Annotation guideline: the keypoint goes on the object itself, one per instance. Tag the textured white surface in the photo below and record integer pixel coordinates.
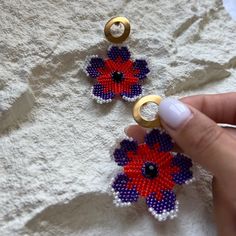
(55, 141)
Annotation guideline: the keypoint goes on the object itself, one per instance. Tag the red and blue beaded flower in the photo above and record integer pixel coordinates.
(150, 170)
(117, 75)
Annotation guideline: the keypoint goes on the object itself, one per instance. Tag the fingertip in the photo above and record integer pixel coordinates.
(136, 132)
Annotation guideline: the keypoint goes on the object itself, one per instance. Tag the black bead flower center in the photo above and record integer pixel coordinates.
(150, 170)
(117, 76)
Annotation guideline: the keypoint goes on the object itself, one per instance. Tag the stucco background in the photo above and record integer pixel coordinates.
(55, 142)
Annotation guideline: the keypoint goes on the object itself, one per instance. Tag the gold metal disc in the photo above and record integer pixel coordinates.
(137, 111)
(116, 20)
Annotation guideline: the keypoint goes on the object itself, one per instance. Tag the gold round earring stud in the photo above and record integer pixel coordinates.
(116, 20)
(137, 111)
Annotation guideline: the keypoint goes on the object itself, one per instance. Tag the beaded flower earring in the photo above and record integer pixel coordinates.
(151, 169)
(118, 75)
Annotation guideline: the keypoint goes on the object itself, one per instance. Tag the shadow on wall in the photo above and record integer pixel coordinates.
(94, 214)
(17, 112)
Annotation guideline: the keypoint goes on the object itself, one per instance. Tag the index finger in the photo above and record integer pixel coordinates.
(219, 107)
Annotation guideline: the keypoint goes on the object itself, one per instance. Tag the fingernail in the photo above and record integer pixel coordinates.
(173, 112)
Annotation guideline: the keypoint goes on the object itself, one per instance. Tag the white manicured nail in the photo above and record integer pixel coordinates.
(173, 112)
(230, 6)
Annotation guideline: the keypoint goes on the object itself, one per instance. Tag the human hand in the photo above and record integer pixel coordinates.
(192, 123)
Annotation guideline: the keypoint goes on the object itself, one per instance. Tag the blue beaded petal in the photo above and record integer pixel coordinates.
(114, 52)
(94, 64)
(120, 154)
(184, 163)
(98, 93)
(164, 140)
(141, 65)
(136, 91)
(124, 195)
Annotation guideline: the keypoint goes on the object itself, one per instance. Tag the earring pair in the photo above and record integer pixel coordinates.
(151, 169)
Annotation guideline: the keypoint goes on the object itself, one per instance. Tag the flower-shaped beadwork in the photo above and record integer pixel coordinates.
(117, 75)
(150, 170)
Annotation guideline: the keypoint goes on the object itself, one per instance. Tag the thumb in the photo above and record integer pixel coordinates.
(198, 136)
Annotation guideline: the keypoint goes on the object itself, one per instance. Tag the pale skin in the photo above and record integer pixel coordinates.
(213, 147)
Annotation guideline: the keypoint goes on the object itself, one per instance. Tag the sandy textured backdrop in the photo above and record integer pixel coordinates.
(55, 141)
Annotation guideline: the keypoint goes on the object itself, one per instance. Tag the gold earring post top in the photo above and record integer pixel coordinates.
(116, 20)
(137, 111)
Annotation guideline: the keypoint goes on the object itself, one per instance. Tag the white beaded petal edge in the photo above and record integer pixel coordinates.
(131, 99)
(189, 181)
(166, 214)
